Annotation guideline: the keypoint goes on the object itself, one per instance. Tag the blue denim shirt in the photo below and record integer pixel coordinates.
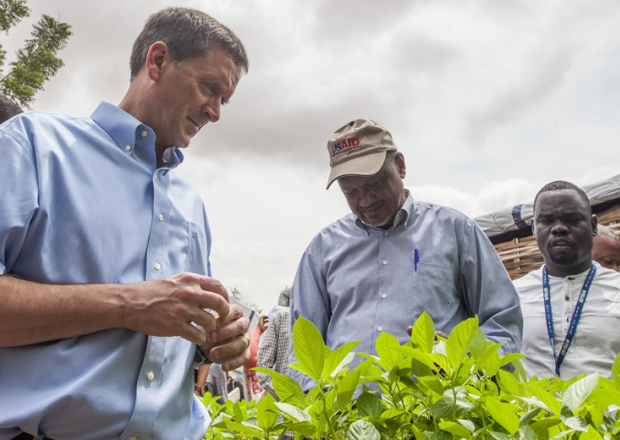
(83, 202)
(355, 281)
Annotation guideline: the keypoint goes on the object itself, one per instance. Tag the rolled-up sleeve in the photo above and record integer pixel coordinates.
(19, 198)
(488, 291)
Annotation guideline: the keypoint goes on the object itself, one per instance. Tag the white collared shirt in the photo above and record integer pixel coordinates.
(597, 339)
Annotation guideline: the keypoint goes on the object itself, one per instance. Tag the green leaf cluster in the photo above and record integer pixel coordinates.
(37, 62)
(457, 388)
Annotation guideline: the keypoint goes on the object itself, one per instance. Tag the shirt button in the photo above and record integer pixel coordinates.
(566, 297)
(144, 133)
(157, 266)
(128, 147)
(385, 262)
(155, 178)
(386, 233)
(380, 329)
(161, 218)
(384, 296)
(150, 376)
(134, 438)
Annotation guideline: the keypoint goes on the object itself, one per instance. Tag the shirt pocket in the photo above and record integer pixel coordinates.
(436, 291)
(197, 257)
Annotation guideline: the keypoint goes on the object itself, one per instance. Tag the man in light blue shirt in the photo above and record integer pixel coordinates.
(378, 268)
(104, 251)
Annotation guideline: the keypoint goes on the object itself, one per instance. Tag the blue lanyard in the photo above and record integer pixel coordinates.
(574, 321)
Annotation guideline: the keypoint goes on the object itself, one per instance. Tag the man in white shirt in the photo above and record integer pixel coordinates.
(570, 300)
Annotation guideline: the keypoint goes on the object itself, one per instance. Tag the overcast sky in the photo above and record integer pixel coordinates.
(488, 100)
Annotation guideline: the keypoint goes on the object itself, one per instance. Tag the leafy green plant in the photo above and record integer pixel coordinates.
(36, 63)
(458, 388)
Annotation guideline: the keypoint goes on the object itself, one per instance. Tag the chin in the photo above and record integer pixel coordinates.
(563, 260)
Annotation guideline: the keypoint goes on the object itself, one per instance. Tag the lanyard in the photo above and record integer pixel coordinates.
(575, 319)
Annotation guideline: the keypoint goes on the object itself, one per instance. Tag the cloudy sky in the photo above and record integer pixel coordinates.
(488, 100)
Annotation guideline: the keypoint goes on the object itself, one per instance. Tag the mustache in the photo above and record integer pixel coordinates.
(562, 241)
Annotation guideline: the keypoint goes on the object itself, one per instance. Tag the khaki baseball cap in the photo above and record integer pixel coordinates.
(358, 149)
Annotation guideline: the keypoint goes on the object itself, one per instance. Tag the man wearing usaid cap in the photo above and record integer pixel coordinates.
(378, 268)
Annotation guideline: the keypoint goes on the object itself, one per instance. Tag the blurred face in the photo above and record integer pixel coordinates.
(606, 251)
(190, 95)
(376, 199)
(564, 229)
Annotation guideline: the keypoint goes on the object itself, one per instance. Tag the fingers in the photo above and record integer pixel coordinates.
(233, 353)
(204, 319)
(193, 334)
(217, 299)
(409, 330)
(235, 324)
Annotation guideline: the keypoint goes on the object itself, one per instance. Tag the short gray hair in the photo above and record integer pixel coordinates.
(604, 230)
(188, 33)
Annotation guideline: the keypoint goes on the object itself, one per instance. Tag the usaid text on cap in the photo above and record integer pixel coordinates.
(347, 144)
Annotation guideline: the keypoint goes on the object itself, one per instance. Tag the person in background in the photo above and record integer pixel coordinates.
(571, 305)
(273, 347)
(255, 390)
(606, 248)
(216, 383)
(105, 277)
(8, 109)
(392, 258)
(232, 383)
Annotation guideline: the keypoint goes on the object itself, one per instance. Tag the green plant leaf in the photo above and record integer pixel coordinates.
(562, 434)
(604, 397)
(570, 420)
(471, 427)
(309, 348)
(545, 397)
(592, 434)
(442, 361)
(501, 436)
(346, 388)
(385, 345)
(287, 388)
(535, 402)
(509, 358)
(528, 416)
(248, 431)
(339, 359)
(266, 414)
(542, 425)
(503, 414)
(369, 405)
(478, 344)
(615, 372)
(459, 341)
(455, 428)
(362, 430)
(423, 333)
(433, 383)
(526, 433)
(579, 391)
(519, 368)
(293, 412)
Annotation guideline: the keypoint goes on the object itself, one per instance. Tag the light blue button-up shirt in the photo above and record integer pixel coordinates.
(355, 281)
(83, 202)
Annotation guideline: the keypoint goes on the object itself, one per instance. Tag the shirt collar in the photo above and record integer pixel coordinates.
(132, 136)
(403, 216)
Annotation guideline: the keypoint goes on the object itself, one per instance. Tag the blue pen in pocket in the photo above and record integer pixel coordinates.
(416, 259)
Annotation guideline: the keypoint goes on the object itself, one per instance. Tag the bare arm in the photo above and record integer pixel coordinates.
(32, 312)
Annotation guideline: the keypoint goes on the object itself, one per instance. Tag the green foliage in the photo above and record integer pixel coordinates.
(452, 390)
(36, 63)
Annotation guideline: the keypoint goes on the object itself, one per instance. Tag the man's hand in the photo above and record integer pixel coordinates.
(167, 307)
(441, 334)
(229, 343)
(261, 323)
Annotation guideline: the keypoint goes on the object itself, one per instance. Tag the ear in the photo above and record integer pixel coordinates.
(594, 225)
(157, 58)
(400, 165)
(533, 230)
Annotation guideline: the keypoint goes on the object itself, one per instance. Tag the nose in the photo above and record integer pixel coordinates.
(366, 199)
(212, 110)
(559, 228)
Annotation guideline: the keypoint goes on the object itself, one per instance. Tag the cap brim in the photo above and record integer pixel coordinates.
(360, 166)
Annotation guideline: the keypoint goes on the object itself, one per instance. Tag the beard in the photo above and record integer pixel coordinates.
(563, 259)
